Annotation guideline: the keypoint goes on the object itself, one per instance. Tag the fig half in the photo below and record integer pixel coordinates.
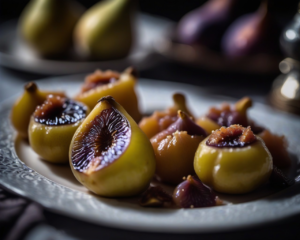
(110, 154)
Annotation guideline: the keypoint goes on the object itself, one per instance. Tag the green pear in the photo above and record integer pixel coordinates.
(105, 31)
(47, 25)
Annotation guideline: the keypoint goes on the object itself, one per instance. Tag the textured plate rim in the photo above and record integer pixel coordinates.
(17, 177)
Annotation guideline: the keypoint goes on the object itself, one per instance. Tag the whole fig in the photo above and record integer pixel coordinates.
(206, 24)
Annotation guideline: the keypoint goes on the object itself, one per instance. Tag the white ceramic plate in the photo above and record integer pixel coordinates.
(16, 55)
(55, 188)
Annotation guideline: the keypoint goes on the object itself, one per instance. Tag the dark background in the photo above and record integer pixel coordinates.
(172, 9)
(253, 84)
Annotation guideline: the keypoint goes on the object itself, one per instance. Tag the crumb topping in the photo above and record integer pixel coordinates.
(233, 136)
(99, 78)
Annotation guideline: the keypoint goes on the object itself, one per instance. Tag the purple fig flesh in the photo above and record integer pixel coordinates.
(57, 111)
(108, 137)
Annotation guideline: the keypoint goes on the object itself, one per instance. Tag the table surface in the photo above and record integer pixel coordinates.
(43, 224)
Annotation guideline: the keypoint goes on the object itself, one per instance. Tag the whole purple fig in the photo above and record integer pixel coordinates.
(206, 24)
(192, 193)
(251, 34)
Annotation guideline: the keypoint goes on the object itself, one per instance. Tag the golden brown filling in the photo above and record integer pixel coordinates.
(233, 136)
(99, 78)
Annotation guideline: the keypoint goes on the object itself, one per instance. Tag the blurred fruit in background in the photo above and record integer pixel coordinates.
(47, 25)
(105, 30)
(206, 24)
(227, 36)
(253, 33)
(224, 23)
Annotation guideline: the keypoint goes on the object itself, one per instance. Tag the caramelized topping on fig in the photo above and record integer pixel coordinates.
(279, 179)
(233, 136)
(192, 193)
(184, 123)
(226, 116)
(56, 111)
(107, 138)
(99, 78)
(155, 196)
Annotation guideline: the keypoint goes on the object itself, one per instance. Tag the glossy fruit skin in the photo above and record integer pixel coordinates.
(175, 149)
(158, 121)
(175, 155)
(128, 175)
(104, 31)
(233, 170)
(192, 193)
(51, 143)
(161, 120)
(122, 91)
(207, 124)
(47, 25)
(150, 125)
(24, 107)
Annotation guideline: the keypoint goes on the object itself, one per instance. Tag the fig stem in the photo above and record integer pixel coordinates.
(189, 178)
(106, 98)
(131, 70)
(179, 100)
(242, 105)
(30, 87)
(180, 103)
(182, 114)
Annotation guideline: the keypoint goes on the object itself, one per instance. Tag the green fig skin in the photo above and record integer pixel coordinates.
(25, 106)
(104, 32)
(47, 25)
(126, 176)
